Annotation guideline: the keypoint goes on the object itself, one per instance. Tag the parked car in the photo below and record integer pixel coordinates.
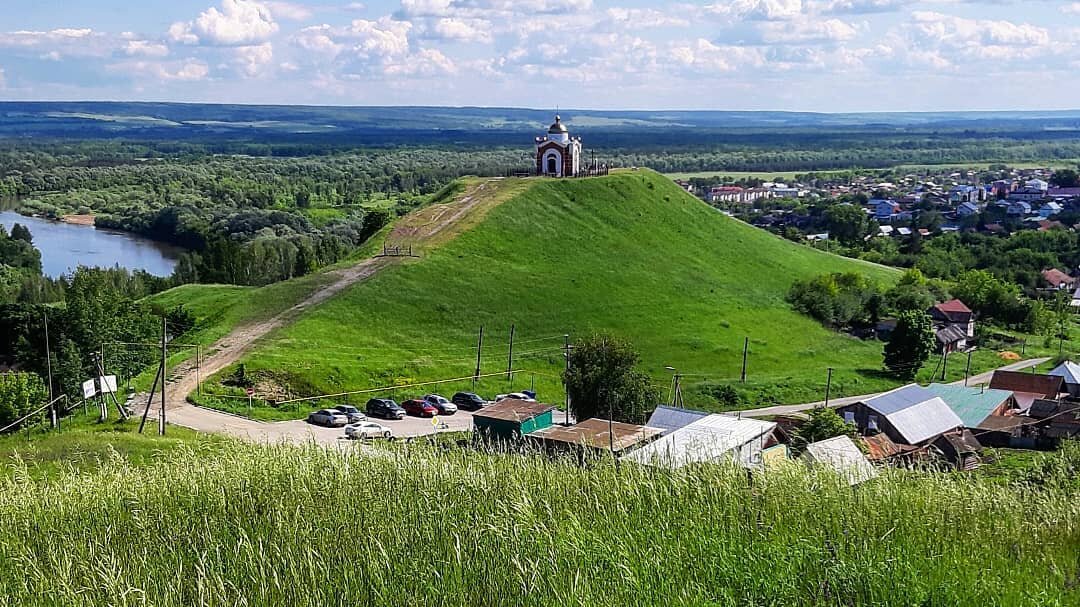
(352, 413)
(385, 408)
(444, 406)
(419, 408)
(367, 429)
(331, 418)
(468, 401)
(516, 396)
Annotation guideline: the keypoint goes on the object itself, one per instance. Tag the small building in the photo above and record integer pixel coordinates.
(973, 405)
(686, 185)
(1069, 372)
(884, 210)
(881, 449)
(594, 434)
(558, 154)
(966, 209)
(964, 193)
(1050, 209)
(1058, 279)
(1018, 208)
(954, 324)
(726, 193)
(1012, 431)
(960, 448)
(1055, 420)
(911, 415)
(512, 419)
(1027, 387)
(840, 454)
(667, 418)
(713, 438)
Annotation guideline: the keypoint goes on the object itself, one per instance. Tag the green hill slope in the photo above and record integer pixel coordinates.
(630, 253)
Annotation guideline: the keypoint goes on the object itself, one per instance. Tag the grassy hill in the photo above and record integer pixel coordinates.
(630, 253)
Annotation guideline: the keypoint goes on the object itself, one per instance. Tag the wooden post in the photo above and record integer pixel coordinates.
(164, 354)
(479, 349)
(510, 355)
(745, 351)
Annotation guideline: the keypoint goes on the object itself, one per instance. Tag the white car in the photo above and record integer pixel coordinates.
(367, 430)
(328, 417)
(515, 396)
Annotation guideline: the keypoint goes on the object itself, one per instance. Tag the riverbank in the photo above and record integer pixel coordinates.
(79, 220)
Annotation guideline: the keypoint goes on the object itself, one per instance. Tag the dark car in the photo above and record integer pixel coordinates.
(419, 408)
(467, 401)
(444, 406)
(385, 408)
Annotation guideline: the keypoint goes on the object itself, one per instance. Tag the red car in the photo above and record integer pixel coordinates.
(419, 408)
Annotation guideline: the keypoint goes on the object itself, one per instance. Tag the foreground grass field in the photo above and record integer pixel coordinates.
(630, 253)
(232, 524)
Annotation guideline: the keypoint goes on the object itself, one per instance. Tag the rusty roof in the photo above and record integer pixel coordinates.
(513, 410)
(1033, 383)
(880, 446)
(593, 432)
(1001, 423)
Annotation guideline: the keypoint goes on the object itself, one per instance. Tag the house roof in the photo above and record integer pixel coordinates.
(513, 410)
(1000, 423)
(1056, 277)
(709, 439)
(1068, 371)
(963, 442)
(953, 306)
(598, 433)
(1043, 408)
(841, 454)
(1048, 386)
(971, 405)
(880, 446)
(950, 334)
(671, 418)
(915, 412)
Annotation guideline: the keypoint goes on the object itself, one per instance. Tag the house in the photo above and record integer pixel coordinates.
(885, 230)
(961, 448)
(1058, 279)
(686, 185)
(1075, 302)
(1050, 209)
(1012, 431)
(1069, 372)
(840, 454)
(511, 419)
(1027, 195)
(1037, 184)
(1027, 387)
(1055, 420)
(954, 324)
(964, 193)
(1063, 193)
(1018, 208)
(726, 193)
(967, 209)
(902, 231)
(911, 415)
(884, 210)
(973, 405)
(593, 434)
(879, 448)
(713, 438)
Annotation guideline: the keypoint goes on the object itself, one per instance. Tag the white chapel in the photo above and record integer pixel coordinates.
(558, 154)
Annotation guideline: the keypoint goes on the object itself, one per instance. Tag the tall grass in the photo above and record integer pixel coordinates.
(231, 524)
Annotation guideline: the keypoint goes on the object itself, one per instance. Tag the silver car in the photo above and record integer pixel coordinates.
(444, 406)
(351, 412)
(331, 418)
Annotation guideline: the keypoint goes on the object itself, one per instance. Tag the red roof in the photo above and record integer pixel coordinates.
(1056, 277)
(954, 306)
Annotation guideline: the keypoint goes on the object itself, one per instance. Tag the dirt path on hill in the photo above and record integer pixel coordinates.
(429, 225)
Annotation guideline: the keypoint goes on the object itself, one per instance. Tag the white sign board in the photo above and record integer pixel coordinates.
(108, 384)
(89, 389)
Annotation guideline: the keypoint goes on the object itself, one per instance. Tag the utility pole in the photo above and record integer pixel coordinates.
(676, 392)
(48, 352)
(967, 369)
(745, 350)
(198, 382)
(944, 362)
(828, 386)
(510, 355)
(164, 354)
(479, 348)
(566, 388)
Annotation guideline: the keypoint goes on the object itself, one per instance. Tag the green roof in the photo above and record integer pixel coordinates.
(971, 405)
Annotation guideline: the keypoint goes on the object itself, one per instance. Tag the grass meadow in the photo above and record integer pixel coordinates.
(225, 523)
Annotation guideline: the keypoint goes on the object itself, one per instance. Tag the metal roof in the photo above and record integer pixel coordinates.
(972, 405)
(841, 454)
(916, 413)
(671, 418)
(513, 410)
(1046, 386)
(712, 438)
(593, 432)
(1069, 371)
(950, 334)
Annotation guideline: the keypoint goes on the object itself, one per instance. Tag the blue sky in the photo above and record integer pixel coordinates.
(812, 55)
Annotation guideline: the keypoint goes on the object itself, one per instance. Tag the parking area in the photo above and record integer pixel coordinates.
(411, 426)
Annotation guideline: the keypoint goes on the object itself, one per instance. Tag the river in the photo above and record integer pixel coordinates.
(64, 246)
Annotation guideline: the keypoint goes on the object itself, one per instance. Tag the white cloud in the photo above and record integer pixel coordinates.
(188, 70)
(636, 17)
(756, 10)
(238, 23)
(491, 8)
(1071, 9)
(859, 7)
(355, 6)
(146, 48)
(59, 43)
(462, 30)
(251, 60)
(704, 56)
(3, 79)
(385, 37)
(810, 31)
(425, 62)
(318, 39)
(288, 10)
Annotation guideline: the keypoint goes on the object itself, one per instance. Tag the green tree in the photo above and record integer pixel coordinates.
(847, 223)
(911, 344)
(601, 380)
(824, 423)
(1065, 178)
(20, 393)
(21, 232)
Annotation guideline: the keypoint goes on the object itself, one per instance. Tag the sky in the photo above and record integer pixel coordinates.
(803, 55)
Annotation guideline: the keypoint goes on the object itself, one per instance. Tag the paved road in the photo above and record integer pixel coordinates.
(974, 380)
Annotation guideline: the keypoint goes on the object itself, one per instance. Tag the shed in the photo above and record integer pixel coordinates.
(880, 448)
(595, 433)
(1056, 420)
(714, 438)
(1006, 431)
(672, 418)
(840, 454)
(911, 415)
(511, 419)
(1026, 387)
(1069, 372)
(973, 405)
(960, 448)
